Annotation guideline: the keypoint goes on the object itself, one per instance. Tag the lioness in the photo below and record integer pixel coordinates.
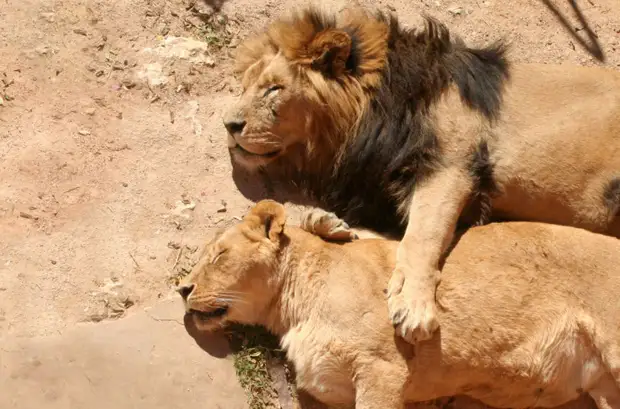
(408, 132)
(529, 312)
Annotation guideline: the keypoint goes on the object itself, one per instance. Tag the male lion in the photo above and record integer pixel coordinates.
(405, 131)
(529, 312)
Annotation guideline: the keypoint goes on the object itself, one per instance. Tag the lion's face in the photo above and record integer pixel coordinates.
(231, 281)
(305, 84)
(271, 115)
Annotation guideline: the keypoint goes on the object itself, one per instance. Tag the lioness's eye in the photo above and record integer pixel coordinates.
(273, 88)
(218, 256)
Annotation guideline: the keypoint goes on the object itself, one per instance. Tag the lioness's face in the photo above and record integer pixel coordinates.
(271, 115)
(231, 280)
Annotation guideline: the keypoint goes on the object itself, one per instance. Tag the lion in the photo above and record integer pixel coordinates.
(529, 311)
(412, 133)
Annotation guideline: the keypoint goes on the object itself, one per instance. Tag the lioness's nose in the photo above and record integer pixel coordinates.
(186, 290)
(235, 126)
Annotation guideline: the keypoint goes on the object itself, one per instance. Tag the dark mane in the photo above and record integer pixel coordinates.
(394, 146)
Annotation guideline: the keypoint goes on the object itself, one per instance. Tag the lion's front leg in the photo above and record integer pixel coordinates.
(433, 213)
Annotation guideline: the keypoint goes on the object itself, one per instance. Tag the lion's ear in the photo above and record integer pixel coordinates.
(330, 50)
(269, 217)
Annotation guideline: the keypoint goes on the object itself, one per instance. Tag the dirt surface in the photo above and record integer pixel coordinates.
(113, 163)
(144, 361)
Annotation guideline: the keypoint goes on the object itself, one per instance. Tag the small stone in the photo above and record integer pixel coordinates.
(128, 83)
(174, 245)
(43, 50)
(99, 73)
(152, 257)
(90, 111)
(222, 208)
(80, 31)
(49, 17)
(1, 101)
(84, 132)
(53, 262)
(455, 10)
(28, 216)
(125, 184)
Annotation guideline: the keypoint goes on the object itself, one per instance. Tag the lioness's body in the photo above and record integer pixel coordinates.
(410, 132)
(529, 313)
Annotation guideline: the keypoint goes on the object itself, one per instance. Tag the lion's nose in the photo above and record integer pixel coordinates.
(235, 126)
(186, 290)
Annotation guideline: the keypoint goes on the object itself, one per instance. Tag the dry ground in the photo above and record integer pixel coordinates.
(113, 165)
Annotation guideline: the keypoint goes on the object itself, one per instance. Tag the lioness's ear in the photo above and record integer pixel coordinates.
(269, 216)
(330, 50)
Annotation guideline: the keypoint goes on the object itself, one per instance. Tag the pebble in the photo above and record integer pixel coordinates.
(28, 216)
(84, 132)
(90, 111)
(49, 17)
(455, 10)
(222, 209)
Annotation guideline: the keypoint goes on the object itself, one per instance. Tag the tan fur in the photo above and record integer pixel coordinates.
(314, 115)
(529, 312)
(555, 147)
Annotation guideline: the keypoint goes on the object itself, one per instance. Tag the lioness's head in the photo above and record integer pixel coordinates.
(233, 279)
(305, 82)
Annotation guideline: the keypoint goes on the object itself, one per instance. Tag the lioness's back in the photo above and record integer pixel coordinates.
(543, 262)
(534, 272)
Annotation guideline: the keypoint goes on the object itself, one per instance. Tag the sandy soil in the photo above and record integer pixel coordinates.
(113, 164)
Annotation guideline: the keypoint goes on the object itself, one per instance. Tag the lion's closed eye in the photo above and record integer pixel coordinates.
(272, 89)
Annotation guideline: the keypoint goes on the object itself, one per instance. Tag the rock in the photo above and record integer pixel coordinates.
(456, 10)
(45, 50)
(181, 208)
(174, 245)
(152, 74)
(49, 17)
(182, 48)
(191, 114)
(111, 300)
(25, 215)
(84, 132)
(222, 209)
(90, 111)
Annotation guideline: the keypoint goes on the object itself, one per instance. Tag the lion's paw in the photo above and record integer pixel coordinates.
(327, 225)
(412, 308)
